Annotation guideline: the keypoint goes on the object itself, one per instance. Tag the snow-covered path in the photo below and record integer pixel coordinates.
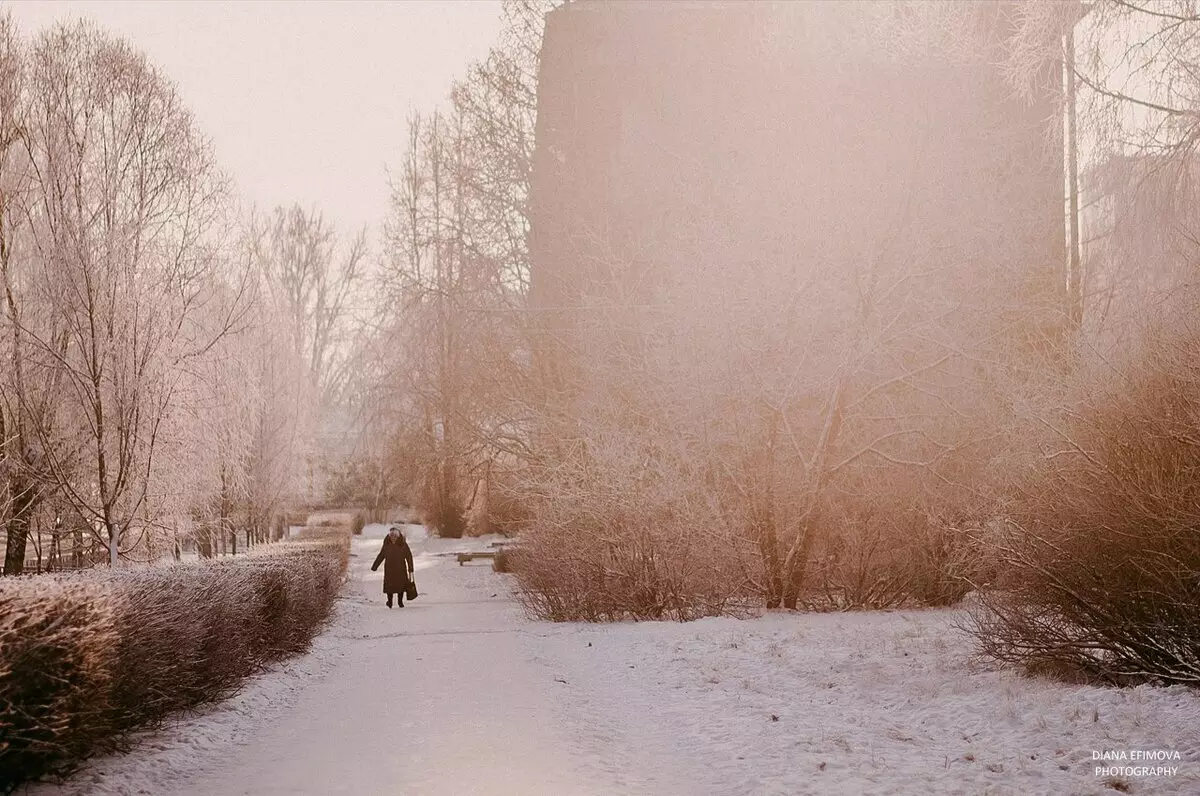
(434, 698)
(442, 696)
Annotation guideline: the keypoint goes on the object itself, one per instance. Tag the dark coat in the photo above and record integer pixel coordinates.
(397, 561)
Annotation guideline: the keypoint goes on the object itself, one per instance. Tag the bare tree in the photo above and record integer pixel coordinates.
(277, 449)
(424, 277)
(456, 279)
(1130, 102)
(31, 393)
(126, 192)
(21, 490)
(313, 287)
(310, 288)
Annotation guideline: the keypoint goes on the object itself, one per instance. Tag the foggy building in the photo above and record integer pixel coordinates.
(679, 139)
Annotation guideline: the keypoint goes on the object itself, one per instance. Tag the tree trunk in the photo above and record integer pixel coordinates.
(204, 541)
(796, 564)
(450, 520)
(796, 561)
(1074, 264)
(114, 546)
(17, 532)
(55, 560)
(767, 530)
(769, 548)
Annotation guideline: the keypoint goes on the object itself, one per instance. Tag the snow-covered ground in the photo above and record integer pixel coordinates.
(862, 703)
(458, 693)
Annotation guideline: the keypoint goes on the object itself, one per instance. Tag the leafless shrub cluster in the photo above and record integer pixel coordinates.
(502, 562)
(620, 530)
(1100, 555)
(1094, 557)
(891, 556)
(86, 657)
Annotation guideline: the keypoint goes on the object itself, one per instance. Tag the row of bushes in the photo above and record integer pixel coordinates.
(1083, 550)
(608, 561)
(87, 657)
(353, 520)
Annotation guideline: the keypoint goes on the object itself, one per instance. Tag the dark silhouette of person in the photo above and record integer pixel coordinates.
(397, 560)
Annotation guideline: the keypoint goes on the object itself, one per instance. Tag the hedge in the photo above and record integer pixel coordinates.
(87, 657)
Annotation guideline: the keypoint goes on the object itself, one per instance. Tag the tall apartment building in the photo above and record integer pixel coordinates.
(676, 136)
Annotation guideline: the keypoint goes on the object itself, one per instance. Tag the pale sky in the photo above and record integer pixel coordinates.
(304, 101)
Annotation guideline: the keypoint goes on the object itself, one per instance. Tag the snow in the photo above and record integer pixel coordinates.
(862, 703)
(459, 693)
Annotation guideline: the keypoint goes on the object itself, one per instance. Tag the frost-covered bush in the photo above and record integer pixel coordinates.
(620, 531)
(878, 554)
(502, 562)
(1100, 559)
(88, 656)
(499, 506)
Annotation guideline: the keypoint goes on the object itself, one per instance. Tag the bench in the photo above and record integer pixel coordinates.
(465, 557)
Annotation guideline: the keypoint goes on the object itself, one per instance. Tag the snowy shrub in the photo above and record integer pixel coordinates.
(57, 657)
(1100, 560)
(87, 657)
(621, 532)
(943, 561)
(890, 555)
(444, 513)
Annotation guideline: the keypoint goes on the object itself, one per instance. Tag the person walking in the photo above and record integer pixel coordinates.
(397, 560)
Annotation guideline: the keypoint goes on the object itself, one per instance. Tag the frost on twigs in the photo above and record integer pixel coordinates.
(1101, 554)
(620, 532)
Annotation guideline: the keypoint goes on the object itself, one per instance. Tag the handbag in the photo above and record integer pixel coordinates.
(410, 591)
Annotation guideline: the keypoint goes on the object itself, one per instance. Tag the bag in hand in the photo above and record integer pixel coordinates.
(410, 592)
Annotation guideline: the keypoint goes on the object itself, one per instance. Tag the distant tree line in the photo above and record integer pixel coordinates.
(167, 357)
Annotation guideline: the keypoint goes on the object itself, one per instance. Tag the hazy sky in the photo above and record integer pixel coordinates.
(304, 101)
